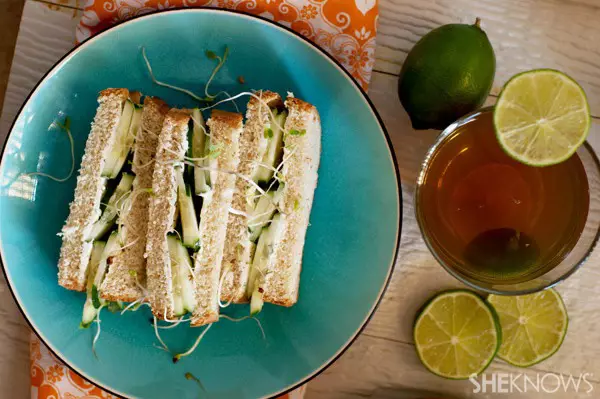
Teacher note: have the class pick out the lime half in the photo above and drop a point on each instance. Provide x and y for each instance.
(541, 117)
(457, 334)
(533, 326)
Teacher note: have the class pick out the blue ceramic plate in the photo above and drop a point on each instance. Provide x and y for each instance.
(350, 247)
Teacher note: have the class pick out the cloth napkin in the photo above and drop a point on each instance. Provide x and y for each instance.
(346, 29)
(51, 379)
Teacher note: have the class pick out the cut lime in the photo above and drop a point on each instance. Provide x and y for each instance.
(533, 326)
(541, 117)
(457, 334)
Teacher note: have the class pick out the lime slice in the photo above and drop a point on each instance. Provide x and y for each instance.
(457, 334)
(541, 117)
(533, 326)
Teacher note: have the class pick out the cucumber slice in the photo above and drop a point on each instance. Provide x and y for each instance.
(89, 311)
(181, 274)
(111, 247)
(123, 140)
(263, 212)
(258, 262)
(274, 151)
(108, 217)
(256, 302)
(264, 249)
(199, 140)
(189, 220)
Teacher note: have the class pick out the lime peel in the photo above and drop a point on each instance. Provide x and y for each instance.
(541, 117)
(457, 334)
(534, 326)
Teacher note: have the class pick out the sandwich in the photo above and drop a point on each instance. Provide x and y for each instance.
(104, 235)
(190, 215)
(126, 278)
(184, 255)
(275, 271)
(260, 141)
(280, 149)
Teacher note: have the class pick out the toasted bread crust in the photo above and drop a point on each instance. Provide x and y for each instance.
(280, 282)
(127, 273)
(230, 120)
(238, 249)
(172, 144)
(225, 129)
(121, 94)
(85, 208)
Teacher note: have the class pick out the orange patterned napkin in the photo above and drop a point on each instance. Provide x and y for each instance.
(344, 28)
(51, 379)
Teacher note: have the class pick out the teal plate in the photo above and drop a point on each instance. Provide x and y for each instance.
(350, 247)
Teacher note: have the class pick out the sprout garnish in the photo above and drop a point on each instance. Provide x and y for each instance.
(66, 127)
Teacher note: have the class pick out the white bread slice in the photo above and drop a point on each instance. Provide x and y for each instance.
(127, 271)
(237, 257)
(280, 280)
(225, 129)
(172, 146)
(85, 208)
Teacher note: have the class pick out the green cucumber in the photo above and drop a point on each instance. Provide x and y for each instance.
(264, 250)
(189, 220)
(181, 268)
(263, 212)
(110, 213)
(111, 247)
(125, 135)
(89, 310)
(256, 301)
(199, 140)
(274, 151)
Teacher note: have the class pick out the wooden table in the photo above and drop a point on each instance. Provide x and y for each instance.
(382, 362)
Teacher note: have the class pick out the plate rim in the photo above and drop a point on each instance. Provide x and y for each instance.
(322, 52)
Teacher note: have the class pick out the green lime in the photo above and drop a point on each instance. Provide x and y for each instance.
(541, 117)
(457, 334)
(533, 326)
(446, 75)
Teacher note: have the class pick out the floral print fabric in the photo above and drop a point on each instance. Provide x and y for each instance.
(344, 28)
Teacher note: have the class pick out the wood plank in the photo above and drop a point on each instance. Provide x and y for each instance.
(45, 35)
(57, 5)
(373, 368)
(525, 34)
(418, 276)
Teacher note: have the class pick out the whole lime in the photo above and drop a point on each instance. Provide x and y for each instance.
(446, 75)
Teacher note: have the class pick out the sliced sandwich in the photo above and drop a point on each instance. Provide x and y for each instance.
(260, 144)
(104, 236)
(224, 130)
(176, 284)
(275, 271)
(169, 283)
(126, 277)
(112, 120)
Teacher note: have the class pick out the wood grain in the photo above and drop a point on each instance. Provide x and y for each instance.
(373, 368)
(418, 276)
(525, 34)
(45, 35)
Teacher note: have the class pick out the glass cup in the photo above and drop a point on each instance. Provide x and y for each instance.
(549, 234)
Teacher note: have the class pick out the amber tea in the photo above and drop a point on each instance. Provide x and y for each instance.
(492, 218)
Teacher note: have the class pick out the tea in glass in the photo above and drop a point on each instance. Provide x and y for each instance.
(489, 218)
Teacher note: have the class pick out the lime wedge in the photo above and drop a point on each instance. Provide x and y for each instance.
(541, 117)
(457, 334)
(533, 326)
